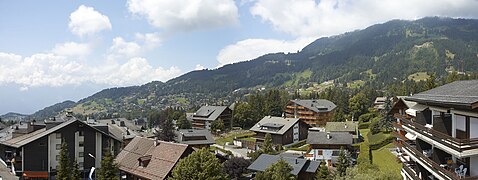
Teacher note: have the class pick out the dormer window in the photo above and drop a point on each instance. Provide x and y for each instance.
(144, 160)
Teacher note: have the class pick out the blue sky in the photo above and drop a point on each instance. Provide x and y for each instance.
(57, 50)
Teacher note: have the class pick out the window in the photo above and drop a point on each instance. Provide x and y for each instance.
(81, 154)
(58, 135)
(58, 146)
(80, 165)
(81, 143)
(80, 133)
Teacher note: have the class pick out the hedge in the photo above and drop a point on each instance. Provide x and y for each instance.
(380, 144)
(297, 144)
(364, 125)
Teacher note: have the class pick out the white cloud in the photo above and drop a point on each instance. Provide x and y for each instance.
(186, 15)
(252, 48)
(309, 18)
(150, 40)
(199, 67)
(72, 49)
(86, 21)
(54, 70)
(128, 49)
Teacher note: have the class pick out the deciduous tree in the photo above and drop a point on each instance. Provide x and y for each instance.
(200, 165)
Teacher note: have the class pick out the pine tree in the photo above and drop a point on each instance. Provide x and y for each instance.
(183, 123)
(109, 169)
(343, 162)
(64, 170)
(323, 172)
(166, 132)
(76, 171)
(430, 82)
(200, 165)
(267, 147)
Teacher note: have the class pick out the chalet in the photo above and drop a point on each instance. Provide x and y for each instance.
(145, 158)
(441, 138)
(313, 112)
(301, 168)
(325, 146)
(283, 130)
(379, 103)
(197, 138)
(204, 117)
(350, 127)
(34, 153)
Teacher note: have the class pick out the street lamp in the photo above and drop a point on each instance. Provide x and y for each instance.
(92, 168)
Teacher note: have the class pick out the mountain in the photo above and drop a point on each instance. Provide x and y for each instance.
(13, 117)
(376, 56)
(53, 110)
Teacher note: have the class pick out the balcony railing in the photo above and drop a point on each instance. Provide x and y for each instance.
(410, 172)
(397, 125)
(459, 145)
(398, 135)
(432, 164)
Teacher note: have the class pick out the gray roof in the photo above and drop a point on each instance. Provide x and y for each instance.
(28, 138)
(347, 126)
(459, 93)
(409, 104)
(298, 164)
(209, 113)
(316, 105)
(274, 125)
(337, 138)
(181, 133)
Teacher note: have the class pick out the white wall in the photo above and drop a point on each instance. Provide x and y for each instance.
(460, 122)
(473, 127)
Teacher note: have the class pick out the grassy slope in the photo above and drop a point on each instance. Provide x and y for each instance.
(382, 157)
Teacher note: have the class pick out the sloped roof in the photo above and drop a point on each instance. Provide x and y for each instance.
(316, 105)
(209, 113)
(269, 122)
(164, 157)
(30, 137)
(337, 138)
(347, 126)
(208, 139)
(459, 93)
(298, 164)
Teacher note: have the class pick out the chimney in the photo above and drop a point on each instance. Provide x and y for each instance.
(156, 142)
(345, 126)
(328, 135)
(296, 161)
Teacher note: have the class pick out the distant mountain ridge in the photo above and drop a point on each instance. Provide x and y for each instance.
(375, 56)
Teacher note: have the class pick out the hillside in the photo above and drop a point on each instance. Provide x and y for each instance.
(376, 56)
(13, 117)
(53, 110)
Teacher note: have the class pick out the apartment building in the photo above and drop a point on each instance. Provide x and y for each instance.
(314, 112)
(438, 136)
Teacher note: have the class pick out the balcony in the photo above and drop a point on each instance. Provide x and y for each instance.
(437, 169)
(410, 171)
(397, 125)
(459, 145)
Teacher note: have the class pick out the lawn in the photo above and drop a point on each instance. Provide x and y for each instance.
(382, 157)
(230, 136)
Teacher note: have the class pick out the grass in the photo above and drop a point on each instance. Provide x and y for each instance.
(419, 76)
(373, 139)
(302, 148)
(230, 137)
(383, 158)
(386, 161)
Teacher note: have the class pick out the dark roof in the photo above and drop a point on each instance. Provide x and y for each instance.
(338, 138)
(182, 133)
(316, 105)
(298, 164)
(274, 125)
(458, 93)
(164, 156)
(209, 113)
(30, 137)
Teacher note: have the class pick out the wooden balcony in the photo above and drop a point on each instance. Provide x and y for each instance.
(426, 161)
(397, 125)
(398, 135)
(410, 172)
(305, 112)
(459, 145)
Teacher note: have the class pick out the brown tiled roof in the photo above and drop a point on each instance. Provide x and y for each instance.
(164, 157)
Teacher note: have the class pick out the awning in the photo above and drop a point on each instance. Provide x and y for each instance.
(411, 136)
(35, 174)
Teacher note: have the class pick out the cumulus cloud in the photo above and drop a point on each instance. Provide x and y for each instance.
(186, 15)
(199, 67)
(150, 40)
(72, 49)
(86, 21)
(310, 18)
(48, 69)
(128, 49)
(252, 48)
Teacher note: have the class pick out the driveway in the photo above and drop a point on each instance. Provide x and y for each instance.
(237, 152)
